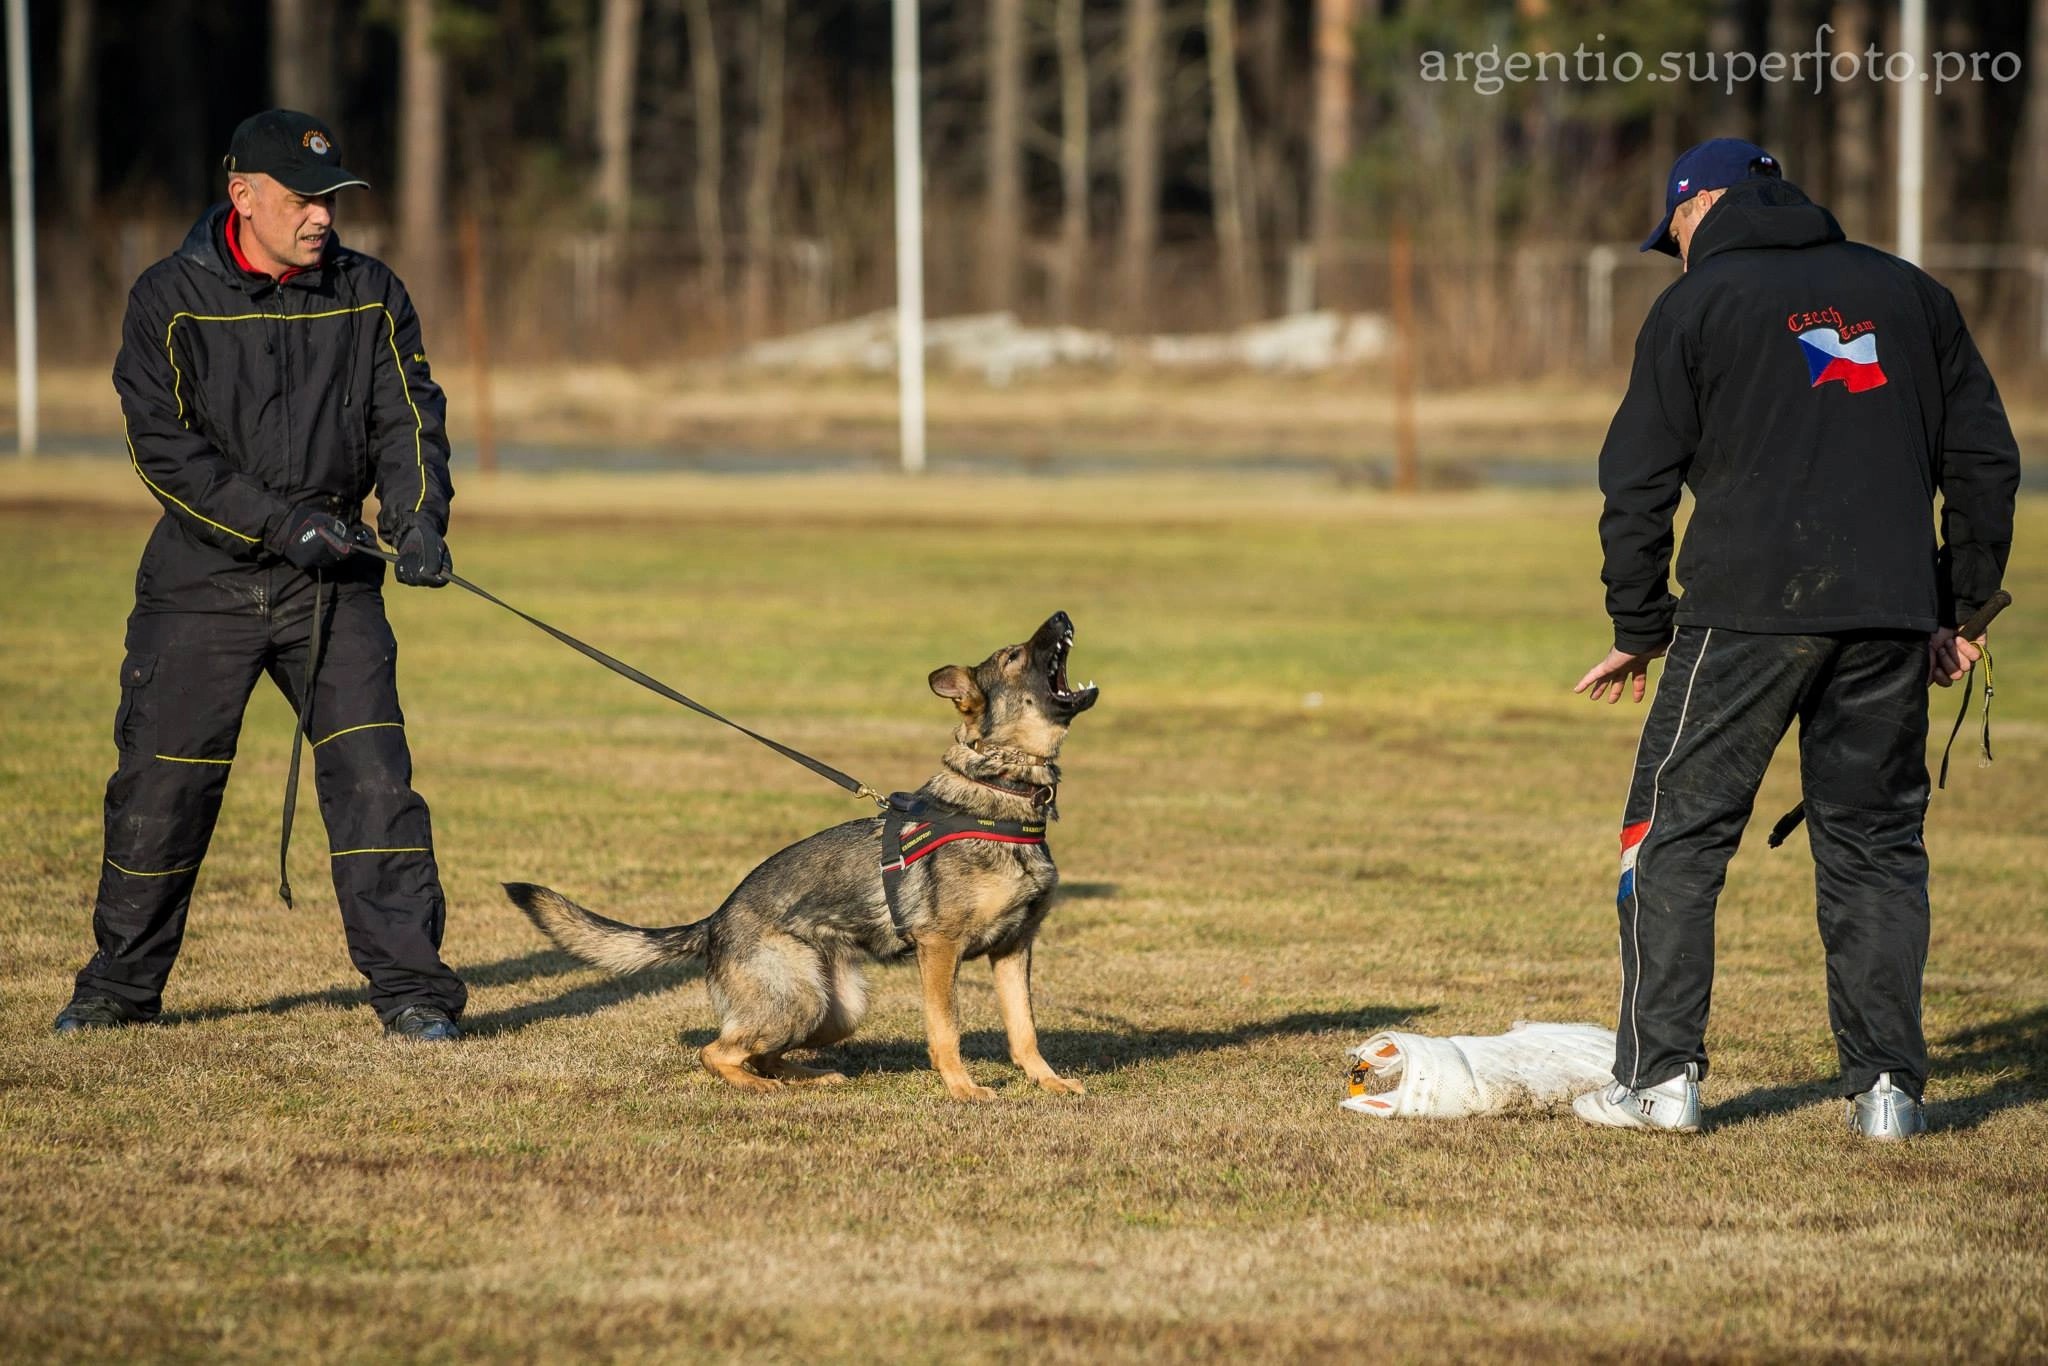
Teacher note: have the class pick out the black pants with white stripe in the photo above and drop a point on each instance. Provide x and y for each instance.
(185, 682)
(1725, 701)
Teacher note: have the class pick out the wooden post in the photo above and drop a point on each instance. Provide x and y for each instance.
(473, 318)
(1401, 266)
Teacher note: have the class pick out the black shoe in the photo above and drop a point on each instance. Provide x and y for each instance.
(90, 1012)
(423, 1024)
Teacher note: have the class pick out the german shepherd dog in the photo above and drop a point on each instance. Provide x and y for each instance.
(783, 955)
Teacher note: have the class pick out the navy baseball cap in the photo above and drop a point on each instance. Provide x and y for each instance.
(294, 149)
(1715, 164)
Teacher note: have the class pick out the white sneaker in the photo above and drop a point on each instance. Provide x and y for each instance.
(1670, 1106)
(1886, 1114)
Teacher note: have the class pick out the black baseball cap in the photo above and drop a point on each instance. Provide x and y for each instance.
(294, 149)
(1715, 164)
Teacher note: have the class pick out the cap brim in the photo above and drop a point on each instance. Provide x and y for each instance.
(318, 180)
(1660, 240)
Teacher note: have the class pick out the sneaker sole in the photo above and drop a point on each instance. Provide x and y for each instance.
(1602, 1116)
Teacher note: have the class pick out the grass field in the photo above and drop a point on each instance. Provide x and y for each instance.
(1336, 782)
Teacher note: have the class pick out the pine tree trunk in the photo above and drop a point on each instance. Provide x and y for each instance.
(1140, 157)
(1225, 167)
(422, 151)
(1959, 122)
(1003, 198)
(1073, 65)
(2027, 204)
(618, 46)
(78, 162)
(766, 168)
(301, 42)
(1334, 60)
(1853, 191)
(1788, 105)
(710, 146)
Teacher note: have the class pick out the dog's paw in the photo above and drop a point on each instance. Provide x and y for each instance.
(967, 1090)
(792, 1075)
(1062, 1086)
(746, 1081)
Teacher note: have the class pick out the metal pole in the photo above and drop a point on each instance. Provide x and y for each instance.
(21, 156)
(909, 239)
(1912, 126)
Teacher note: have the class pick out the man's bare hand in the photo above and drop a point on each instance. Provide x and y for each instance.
(1949, 656)
(1611, 677)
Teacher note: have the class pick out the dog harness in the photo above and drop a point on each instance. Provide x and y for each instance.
(915, 825)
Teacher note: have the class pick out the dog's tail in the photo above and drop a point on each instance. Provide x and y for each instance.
(607, 943)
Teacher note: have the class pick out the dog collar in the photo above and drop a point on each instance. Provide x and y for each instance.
(1041, 796)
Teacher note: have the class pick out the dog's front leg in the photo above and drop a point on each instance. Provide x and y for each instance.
(938, 964)
(1013, 994)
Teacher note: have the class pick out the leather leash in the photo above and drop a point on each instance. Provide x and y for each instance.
(656, 686)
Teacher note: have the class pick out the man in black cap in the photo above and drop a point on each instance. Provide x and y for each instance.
(1814, 394)
(269, 379)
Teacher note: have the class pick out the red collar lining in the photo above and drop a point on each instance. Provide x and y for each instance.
(232, 230)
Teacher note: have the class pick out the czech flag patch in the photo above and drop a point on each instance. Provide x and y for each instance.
(1828, 357)
(1631, 841)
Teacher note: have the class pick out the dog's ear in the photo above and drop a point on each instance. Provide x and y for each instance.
(958, 685)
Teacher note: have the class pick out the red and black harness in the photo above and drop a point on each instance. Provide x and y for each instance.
(915, 825)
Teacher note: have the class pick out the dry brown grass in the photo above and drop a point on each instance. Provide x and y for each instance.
(1257, 882)
(695, 410)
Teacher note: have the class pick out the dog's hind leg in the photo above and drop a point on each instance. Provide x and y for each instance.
(771, 995)
(796, 1074)
(727, 1059)
(1013, 995)
(847, 1002)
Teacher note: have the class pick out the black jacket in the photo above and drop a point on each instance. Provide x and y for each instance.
(244, 397)
(1814, 394)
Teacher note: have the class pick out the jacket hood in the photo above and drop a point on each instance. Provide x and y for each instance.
(1762, 212)
(206, 246)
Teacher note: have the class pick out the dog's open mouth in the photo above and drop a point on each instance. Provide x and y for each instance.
(1064, 694)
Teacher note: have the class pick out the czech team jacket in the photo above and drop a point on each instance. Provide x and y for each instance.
(244, 397)
(1814, 394)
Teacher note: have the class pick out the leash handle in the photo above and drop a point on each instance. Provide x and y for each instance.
(1981, 619)
(656, 686)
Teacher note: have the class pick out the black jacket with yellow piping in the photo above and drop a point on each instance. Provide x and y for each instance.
(244, 397)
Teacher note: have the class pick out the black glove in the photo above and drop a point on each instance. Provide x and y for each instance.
(312, 538)
(423, 559)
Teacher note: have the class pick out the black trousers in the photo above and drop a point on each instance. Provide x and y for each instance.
(1725, 701)
(185, 682)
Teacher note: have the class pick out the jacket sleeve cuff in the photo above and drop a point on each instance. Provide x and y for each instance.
(1641, 642)
(393, 526)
